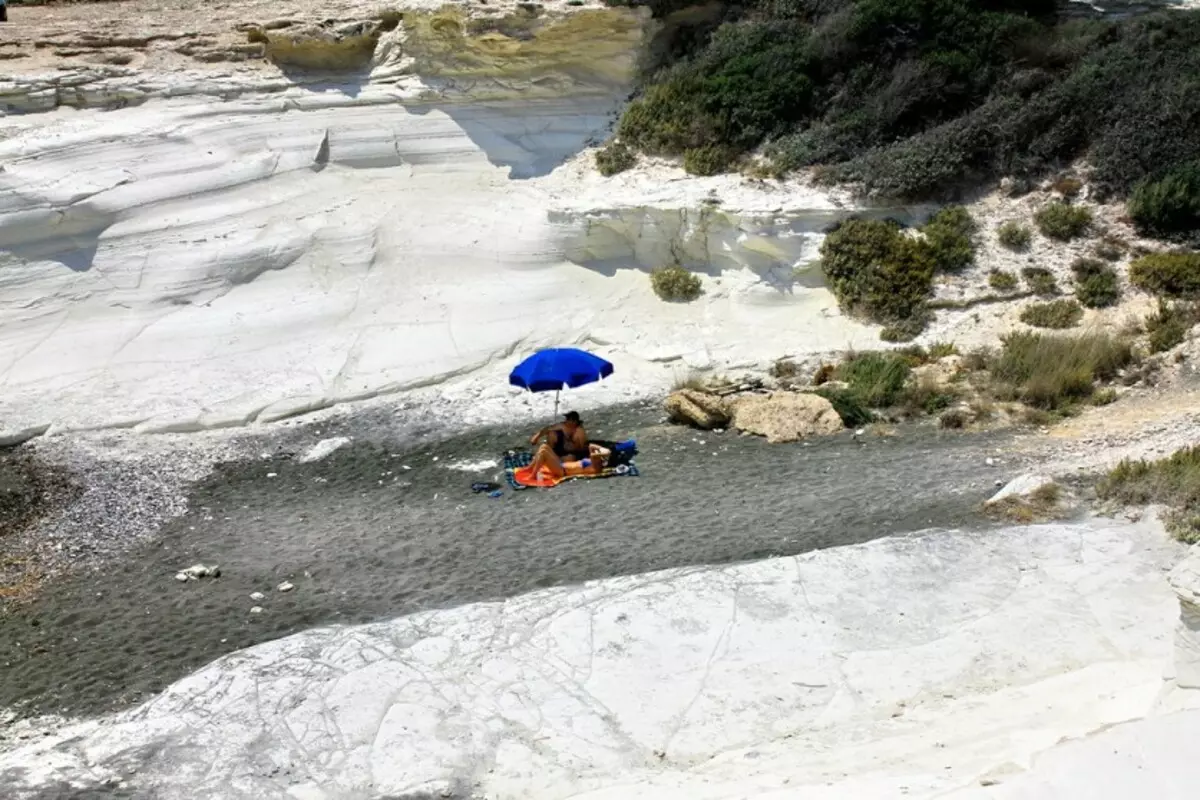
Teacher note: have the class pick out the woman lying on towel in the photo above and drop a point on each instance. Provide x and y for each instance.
(545, 459)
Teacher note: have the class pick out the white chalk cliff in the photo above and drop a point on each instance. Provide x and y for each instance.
(231, 247)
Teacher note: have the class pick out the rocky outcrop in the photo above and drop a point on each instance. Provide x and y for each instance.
(1185, 580)
(785, 416)
(698, 409)
(326, 46)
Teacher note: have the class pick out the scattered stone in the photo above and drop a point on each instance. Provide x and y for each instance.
(197, 571)
(179, 576)
(786, 416)
(257, 596)
(256, 609)
(285, 587)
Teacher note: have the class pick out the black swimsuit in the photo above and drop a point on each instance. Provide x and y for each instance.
(561, 449)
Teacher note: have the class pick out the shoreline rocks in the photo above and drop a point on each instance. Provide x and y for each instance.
(779, 416)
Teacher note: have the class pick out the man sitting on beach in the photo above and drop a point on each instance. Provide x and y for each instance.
(567, 439)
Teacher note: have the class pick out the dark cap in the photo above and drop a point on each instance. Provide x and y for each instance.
(573, 416)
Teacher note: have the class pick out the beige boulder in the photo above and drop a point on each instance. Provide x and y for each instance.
(785, 416)
(698, 409)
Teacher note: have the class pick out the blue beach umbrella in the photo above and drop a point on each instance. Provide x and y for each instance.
(559, 368)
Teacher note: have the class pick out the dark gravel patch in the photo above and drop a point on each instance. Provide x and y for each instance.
(363, 538)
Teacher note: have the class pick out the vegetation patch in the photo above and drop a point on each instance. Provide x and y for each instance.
(882, 272)
(614, 158)
(915, 98)
(1169, 325)
(675, 284)
(1110, 249)
(1062, 221)
(1057, 314)
(1173, 481)
(1096, 283)
(1040, 281)
(1175, 275)
(1002, 281)
(848, 406)
(1014, 235)
(950, 235)
(1168, 205)
(1053, 372)
(1041, 505)
(875, 379)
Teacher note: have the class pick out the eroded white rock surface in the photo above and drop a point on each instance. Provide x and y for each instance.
(903, 667)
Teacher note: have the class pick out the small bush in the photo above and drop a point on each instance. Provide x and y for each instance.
(876, 379)
(940, 350)
(853, 413)
(1051, 372)
(926, 397)
(1057, 314)
(954, 419)
(1040, 281)
(675, 284)
(708, 160)
(1062, 222)
(614, 158)
(1105, 397)
(1169, 204)
(1169, 325)
(1068, 186)
(1167, 274)
(1173, 481)
(875, 270)
(1095, 283)
(950, 234)
(1002, 281)
(1014, 235)
(784, 368)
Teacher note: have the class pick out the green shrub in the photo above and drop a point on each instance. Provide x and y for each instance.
(613, 158)
(1096, 284)
(926, 398)
(1068, 186)
(1167, 274)
(876, 271)
(1170, 203)
(1040, 281)
(1053, 372)
(847, 405)
(876, 379)
(675, 284)
(1062, 222)
(916, 98)
(1057, 314)
(950, 235)
(1169, 325)
(711, 159)
(1014, 235)
(1173, 481)
(1002, 281)
(940, 350)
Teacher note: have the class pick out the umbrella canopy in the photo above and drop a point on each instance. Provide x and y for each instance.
(559, 368)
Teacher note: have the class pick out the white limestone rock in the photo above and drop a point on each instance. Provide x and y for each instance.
(1185, 580)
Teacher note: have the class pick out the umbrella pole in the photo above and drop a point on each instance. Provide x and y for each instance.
(556, 391)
